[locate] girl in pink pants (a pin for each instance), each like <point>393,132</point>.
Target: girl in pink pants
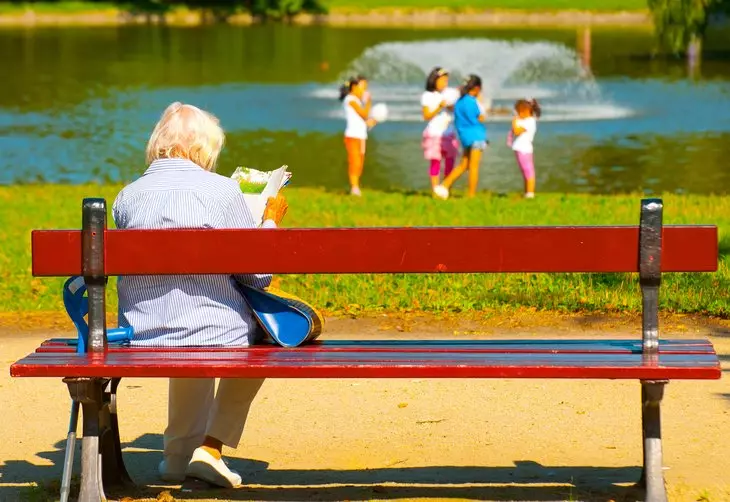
<point>439,138</point>
<point>436,149</point>
<point>524,127</point>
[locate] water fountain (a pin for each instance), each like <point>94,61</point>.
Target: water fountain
<point>548,71</point>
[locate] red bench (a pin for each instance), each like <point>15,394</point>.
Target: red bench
<point>97,253</point>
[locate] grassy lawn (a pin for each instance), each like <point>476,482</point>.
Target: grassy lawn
<point>353,5</point>
<point>532,5</point>
<point>24,208</point>
<point>55,7</point>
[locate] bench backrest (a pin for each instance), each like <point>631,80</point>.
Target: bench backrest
<point>649,248</point>
<point>374,250</point>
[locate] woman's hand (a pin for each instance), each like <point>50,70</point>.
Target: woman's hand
<point>371,123</point>
<point>276,208</point>
<point>366,97</point>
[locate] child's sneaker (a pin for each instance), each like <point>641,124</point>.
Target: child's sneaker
<point>356,192</point>
<point>530,195</point>
<point>441,192</point>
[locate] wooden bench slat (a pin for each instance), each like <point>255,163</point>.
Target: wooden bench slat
<point>689,346</point>
<point>321,364</point>
<point>357,357</point>
<point>376,250</point>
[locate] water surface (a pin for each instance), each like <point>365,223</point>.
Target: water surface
<point>77,105</point>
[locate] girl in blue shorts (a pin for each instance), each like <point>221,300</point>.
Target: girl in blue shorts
<point>469,117</point>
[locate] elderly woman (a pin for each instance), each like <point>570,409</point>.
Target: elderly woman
<point>180,189</point>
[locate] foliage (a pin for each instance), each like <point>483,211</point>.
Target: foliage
<point>483,5</point>
<point>679,22</point>
<point>23,208</point>
<point>349,5</point>
<point>219,8</point>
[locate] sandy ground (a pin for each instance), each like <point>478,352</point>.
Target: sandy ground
<point>381,17</point>
<point>408,439</point>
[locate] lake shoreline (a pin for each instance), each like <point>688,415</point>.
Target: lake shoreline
<point>427,18</point>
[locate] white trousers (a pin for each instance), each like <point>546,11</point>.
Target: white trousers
<point>196,410</point>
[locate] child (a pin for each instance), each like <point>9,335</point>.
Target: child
<point>524,127</point>
<point>357,103</point>
<point>439,138</point>
<point>469,117</point>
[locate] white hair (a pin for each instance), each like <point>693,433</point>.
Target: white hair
<point>186,132</point>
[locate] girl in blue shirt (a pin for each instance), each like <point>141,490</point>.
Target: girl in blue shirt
<point>469,117</point>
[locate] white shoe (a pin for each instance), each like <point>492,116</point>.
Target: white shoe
<point>530,195</point>
<point>356,192</point>
<point>441,192</point>
<point>205,466</point>
<point>170,474</point>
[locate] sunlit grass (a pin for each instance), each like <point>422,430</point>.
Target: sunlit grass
<point>52,206</point>
<point>64,7</point>
<point>527,5</point>
<point>55,7</point>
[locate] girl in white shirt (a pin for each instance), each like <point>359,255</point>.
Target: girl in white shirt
<point>524,127</point>
<point>439,138</point>
<point>356,102</point>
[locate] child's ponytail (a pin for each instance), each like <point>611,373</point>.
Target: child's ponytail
<point>348,84</point>
<point>432,77</point>
<point>471,82</point>
<point>530,105</point>
<point>536,109</point>
<point>345,89</point>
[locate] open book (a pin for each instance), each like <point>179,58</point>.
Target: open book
<point>258,186</point>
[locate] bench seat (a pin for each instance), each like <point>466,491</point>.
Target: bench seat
<point>594,359</point>
<point>667,346</point>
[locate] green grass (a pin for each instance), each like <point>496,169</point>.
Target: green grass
<point>24,208</point>
<point>527,5</point>
<point>64,7</point>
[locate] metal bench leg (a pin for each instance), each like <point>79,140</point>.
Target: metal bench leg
<point>652,392</point>
<point>652,477</point>
<point>88,392</point>
<point>68,460</point>
<point>113,470</point>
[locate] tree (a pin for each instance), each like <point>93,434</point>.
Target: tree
<point>219,9</point>
<point>681,23</point>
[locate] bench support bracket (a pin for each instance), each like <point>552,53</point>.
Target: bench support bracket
<point>652,477</point>
<point>101,453</point>
<point>650,274</point>
<point>93,230</point>
<point>88,392</point>
<point>113,471</point>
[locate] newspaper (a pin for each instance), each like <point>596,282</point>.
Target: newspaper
<point>258,186</point>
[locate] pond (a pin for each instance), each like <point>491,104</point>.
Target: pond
<point>77,104</point>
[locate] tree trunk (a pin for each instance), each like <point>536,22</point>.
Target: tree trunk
<point>694,56</point>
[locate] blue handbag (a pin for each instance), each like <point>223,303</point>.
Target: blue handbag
<point>285,319</point>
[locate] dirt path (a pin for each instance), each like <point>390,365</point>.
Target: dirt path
<point>409,439</point>
<point>375,18</point>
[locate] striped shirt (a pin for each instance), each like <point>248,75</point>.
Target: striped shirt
<point>184,310</point>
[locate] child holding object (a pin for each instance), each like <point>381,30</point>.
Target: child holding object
<point>356,102</point>
<point>524,127</point>
<point>469,118</point>
<point>439,138</point>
